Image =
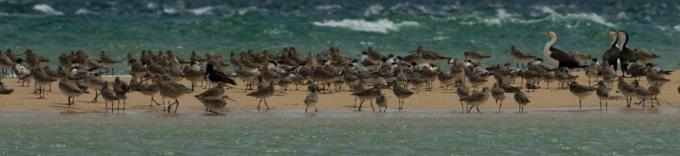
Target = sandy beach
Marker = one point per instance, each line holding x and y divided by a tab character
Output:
23	99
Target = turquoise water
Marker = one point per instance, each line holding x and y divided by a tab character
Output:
492	26
282	132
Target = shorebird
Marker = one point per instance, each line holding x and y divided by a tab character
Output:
627	90
457	69
121	88
137	69
214	92
95	82
422	55
194	74
498	94
108	62
557	56
312	99
381	101
109	96
580	91
150	89
654	77
214	98
642	93
563	77
608	75
214	104
401	93
592	71
655	90
475	55
6	63
4	90
636	70
172	90
356	88
531	85
611	55
445	79
216	76
262	94
520	57
41	79
642	56
476	99
463	92
368	94
521	99
603	93
22	73
71	90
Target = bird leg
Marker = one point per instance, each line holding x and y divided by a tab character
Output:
500	105
478	109
258	104
373	108
361	103
176	105
96	95
265	103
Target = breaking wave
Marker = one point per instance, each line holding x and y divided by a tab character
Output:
379	26
47	9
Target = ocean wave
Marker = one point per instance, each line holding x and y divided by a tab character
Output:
83	11
373	10
379	26
169	10
202	10
592	17
502	16
328	7
47	9
243	11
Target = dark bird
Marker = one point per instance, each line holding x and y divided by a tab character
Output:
215	76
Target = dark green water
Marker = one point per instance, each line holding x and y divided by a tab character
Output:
340	133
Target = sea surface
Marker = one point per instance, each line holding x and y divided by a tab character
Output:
127	26
286	132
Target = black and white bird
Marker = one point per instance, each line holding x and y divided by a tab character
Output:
215	76
557	56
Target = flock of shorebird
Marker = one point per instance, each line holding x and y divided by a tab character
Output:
327	72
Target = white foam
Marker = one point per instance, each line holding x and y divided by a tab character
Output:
593	17
151	5
202	10
502	16
83	11
676	27
379	26
374	9
243	11
328	7
169	10
47	9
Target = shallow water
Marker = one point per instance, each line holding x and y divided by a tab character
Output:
340	133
